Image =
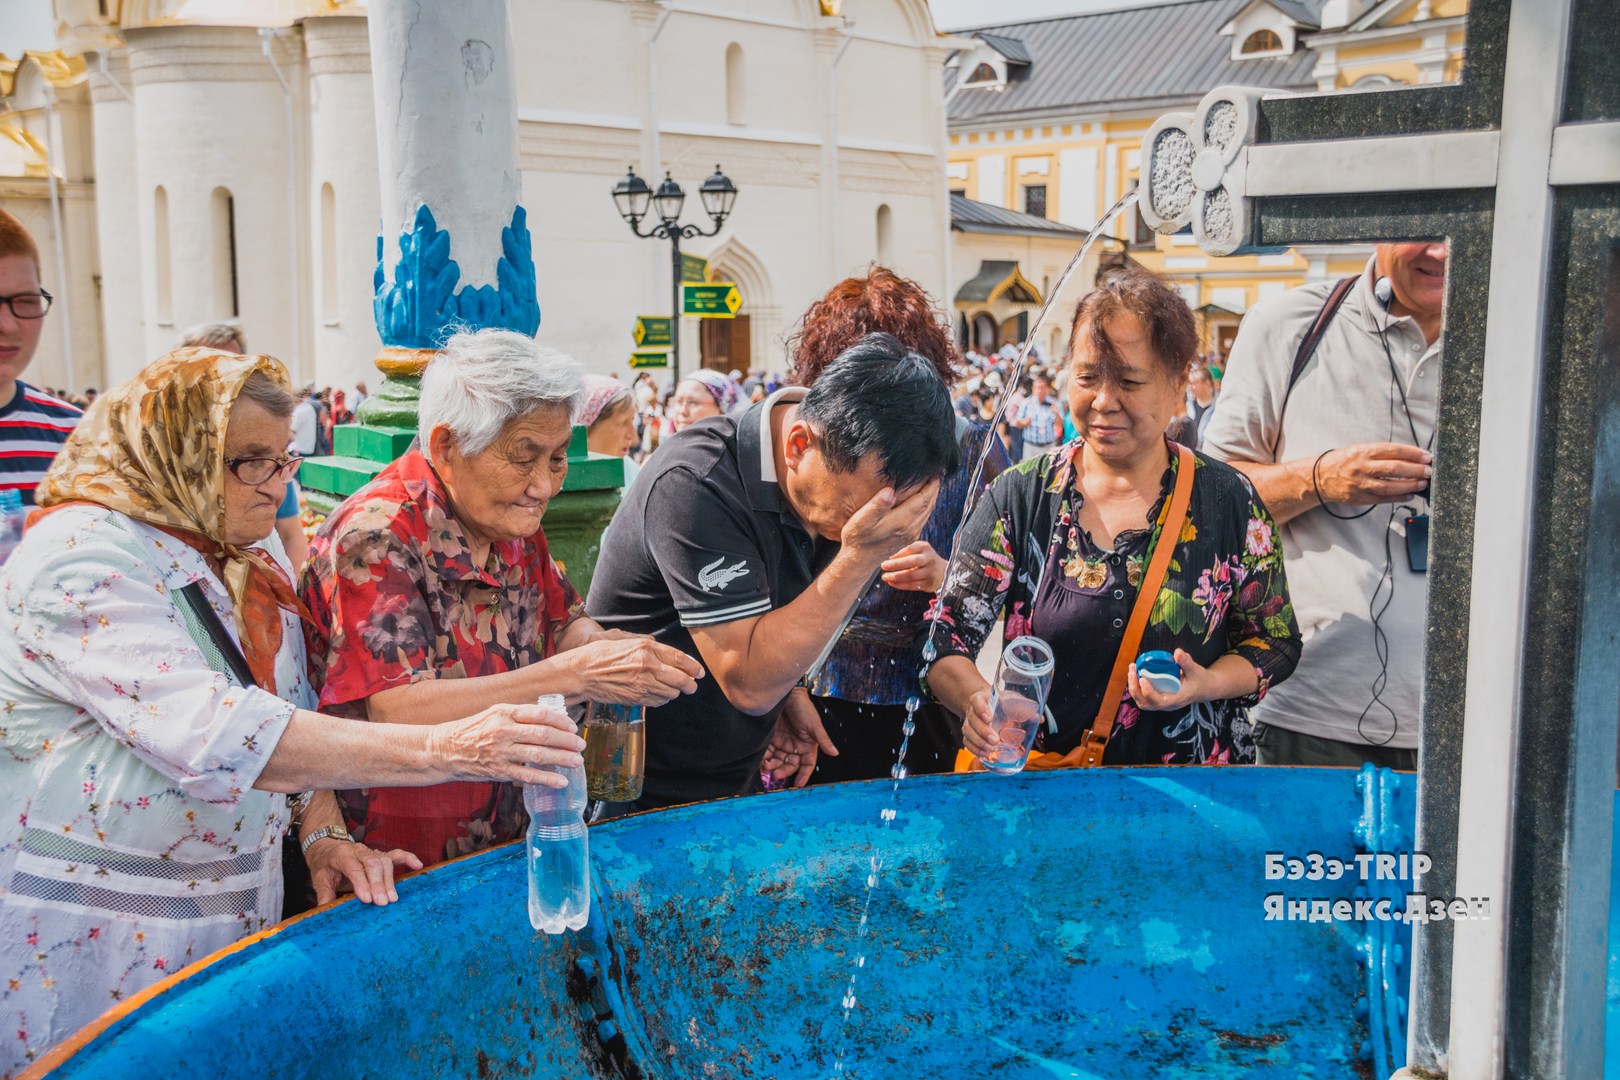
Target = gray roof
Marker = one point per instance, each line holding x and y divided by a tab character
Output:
1141	58
970	215
1013	49
998	276
1302	13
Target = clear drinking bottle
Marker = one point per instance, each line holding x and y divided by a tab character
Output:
559	862
11	521
1018	701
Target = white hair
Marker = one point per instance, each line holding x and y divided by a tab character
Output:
215	335
483	380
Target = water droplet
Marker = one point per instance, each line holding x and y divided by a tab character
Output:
863	926
913	703
860	961
909	728
898	772
888	814
929	652
871	881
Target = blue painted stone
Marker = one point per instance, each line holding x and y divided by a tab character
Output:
422	307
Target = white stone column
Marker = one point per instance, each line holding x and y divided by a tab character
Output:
455	241
343	201
118	218
212	121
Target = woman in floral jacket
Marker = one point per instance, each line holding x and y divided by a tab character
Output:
1059	543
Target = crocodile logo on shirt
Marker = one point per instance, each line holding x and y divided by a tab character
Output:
713	577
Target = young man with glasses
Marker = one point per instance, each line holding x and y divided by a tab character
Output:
33	424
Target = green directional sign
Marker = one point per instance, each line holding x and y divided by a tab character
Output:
653	331
694	268
649	358
717	300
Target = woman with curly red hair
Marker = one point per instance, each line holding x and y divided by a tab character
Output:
861	689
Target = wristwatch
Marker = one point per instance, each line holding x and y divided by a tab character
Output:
325	832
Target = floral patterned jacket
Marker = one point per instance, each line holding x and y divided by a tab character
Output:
1225	592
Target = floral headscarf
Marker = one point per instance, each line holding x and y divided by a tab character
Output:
600	390
727	393
154	449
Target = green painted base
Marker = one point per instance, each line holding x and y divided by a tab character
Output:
393	405
370	442
340	476
573	526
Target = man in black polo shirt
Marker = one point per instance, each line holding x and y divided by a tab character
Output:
745	541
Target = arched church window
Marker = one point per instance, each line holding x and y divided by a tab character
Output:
984	73
161	277
1262	41
736	85
329	260
226	297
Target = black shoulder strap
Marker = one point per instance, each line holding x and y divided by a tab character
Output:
228	649
1313	336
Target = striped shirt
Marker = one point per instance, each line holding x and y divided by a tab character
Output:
33	427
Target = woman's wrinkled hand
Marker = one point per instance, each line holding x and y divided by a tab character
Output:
504	742
616	668
337	866
978	728
797	741
917	567
1198	683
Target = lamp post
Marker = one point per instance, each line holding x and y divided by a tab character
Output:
631	195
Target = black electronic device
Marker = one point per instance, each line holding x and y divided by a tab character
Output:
1417	543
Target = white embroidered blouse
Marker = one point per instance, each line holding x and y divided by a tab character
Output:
132	841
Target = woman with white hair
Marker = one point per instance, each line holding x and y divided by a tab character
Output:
432	590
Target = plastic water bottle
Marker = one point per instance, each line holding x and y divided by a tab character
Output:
11	521
559	856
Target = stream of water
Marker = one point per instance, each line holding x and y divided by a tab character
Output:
887	815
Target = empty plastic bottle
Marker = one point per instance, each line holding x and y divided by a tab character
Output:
11	521
559	856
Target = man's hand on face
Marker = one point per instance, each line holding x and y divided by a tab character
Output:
885	524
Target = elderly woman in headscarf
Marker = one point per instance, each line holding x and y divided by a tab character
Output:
703	394
157	707
609	417
432	590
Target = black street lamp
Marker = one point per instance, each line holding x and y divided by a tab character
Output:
632	196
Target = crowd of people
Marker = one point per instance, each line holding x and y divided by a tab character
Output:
192	713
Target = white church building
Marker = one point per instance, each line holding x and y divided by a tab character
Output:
188	160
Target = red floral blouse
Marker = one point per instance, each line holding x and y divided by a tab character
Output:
395	599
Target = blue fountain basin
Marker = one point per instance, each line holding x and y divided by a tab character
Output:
1084	924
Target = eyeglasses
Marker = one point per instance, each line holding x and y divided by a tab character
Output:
28	305
254	471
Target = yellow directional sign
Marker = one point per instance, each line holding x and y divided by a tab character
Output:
652	331
694	268
650	358
717	300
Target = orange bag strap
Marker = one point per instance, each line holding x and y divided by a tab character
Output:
1092	744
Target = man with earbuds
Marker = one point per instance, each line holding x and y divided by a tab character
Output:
1329	407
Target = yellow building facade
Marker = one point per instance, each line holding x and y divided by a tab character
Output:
1047	117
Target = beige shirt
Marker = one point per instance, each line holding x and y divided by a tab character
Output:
1339	572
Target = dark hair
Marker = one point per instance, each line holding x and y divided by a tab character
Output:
1172	332
879	398
882	301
